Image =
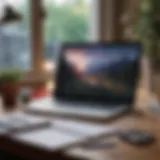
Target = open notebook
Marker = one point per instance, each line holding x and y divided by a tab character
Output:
62	135
58	135
18	122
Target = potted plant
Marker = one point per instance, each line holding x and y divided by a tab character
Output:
9	87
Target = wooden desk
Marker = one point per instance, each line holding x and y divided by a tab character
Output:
123	151
149	122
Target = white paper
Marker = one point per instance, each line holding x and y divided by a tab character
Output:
82	129
47	139
18	120
62	133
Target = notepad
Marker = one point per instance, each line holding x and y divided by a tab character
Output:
62	134
80	128
47	139
20	121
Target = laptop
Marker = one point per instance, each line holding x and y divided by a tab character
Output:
95	80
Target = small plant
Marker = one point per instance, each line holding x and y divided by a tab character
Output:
144	23
9	76
145	28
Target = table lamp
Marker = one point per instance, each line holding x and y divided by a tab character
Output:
10	15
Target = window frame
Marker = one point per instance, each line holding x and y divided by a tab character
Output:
37	35
105	25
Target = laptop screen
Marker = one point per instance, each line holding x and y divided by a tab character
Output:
103	72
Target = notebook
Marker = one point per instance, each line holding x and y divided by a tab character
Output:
18	122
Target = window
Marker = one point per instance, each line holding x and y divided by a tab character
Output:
65	21
15	48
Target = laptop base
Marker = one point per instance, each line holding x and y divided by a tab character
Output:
48	107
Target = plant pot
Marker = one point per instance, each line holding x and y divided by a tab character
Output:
9	93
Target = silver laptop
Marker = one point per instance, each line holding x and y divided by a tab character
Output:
95	80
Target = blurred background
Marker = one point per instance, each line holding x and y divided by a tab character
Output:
31	44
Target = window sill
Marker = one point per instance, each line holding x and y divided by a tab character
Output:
37	80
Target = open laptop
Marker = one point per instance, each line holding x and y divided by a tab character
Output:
95	80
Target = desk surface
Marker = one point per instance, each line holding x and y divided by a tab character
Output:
147	121
124	151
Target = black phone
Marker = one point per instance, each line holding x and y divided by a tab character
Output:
137	137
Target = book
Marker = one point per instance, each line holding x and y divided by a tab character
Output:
62	135
21	122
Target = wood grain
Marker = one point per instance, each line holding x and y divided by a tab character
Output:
123	151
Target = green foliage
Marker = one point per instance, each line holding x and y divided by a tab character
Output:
9	76
145	28
67	22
